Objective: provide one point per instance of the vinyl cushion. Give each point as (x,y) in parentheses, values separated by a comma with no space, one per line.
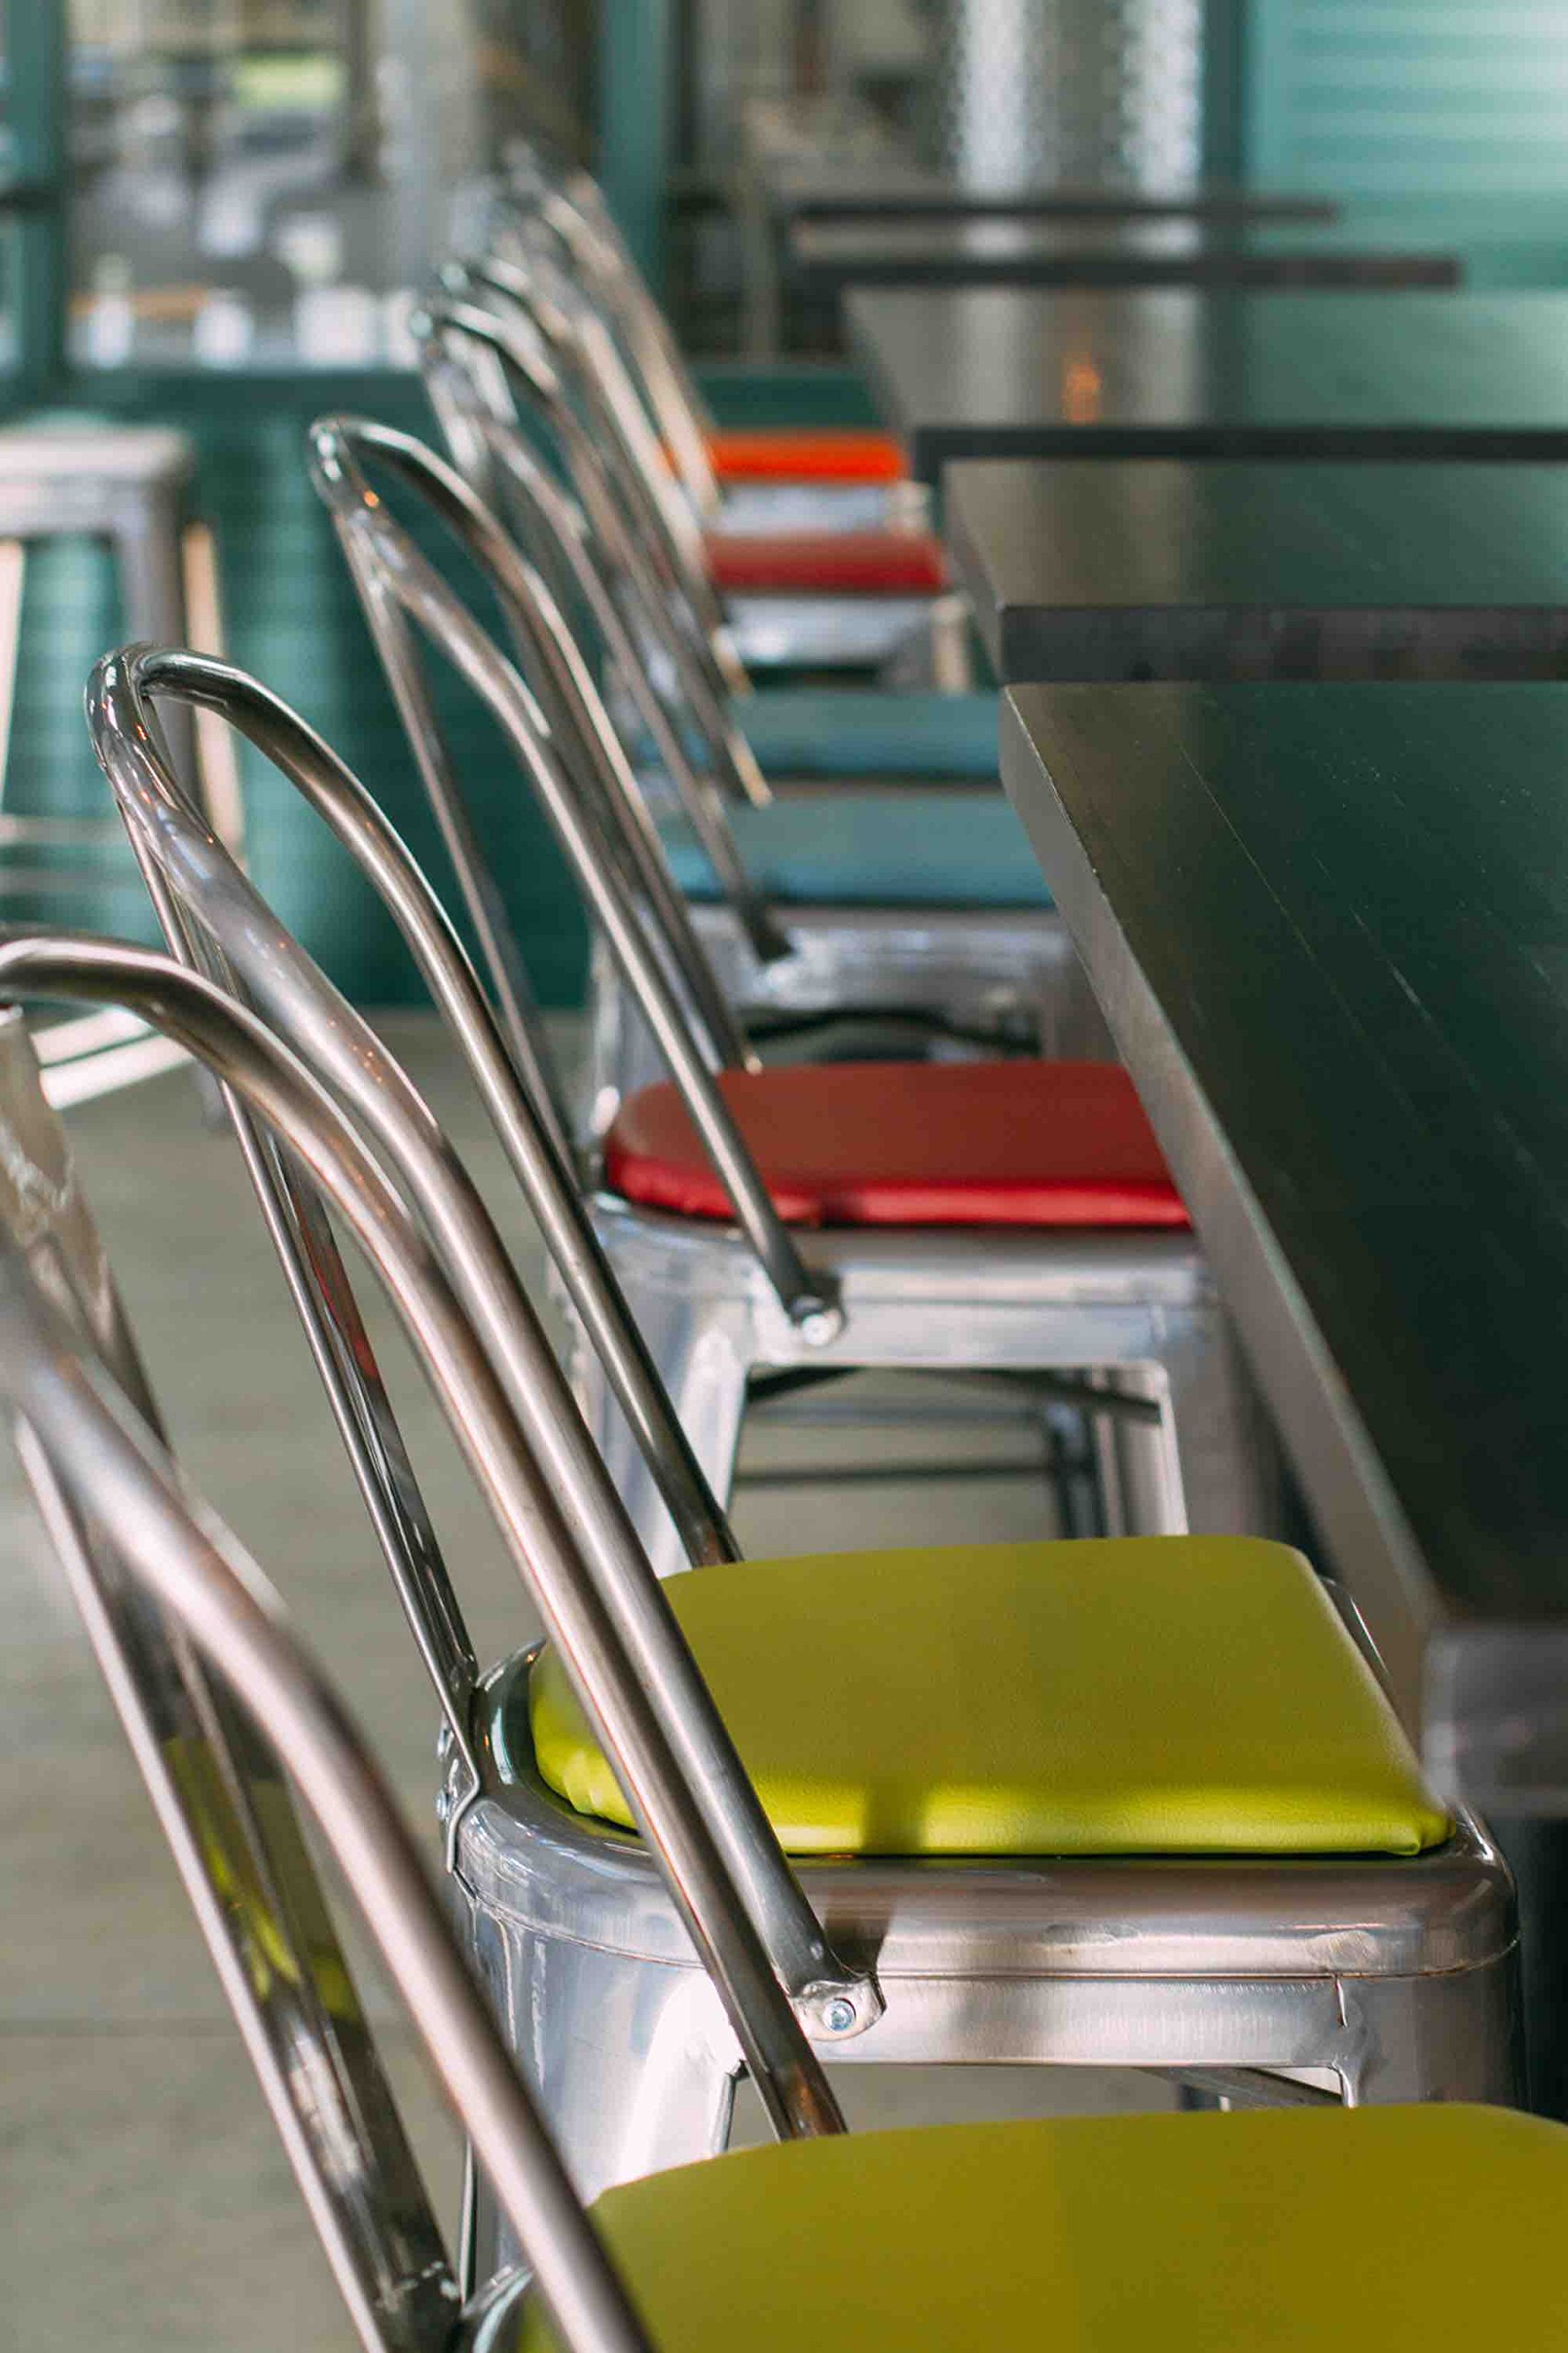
(1138,1695)
(854,849)
(881,563)
(868,731)
(1369,2229)
(805,453)
(1021,1143)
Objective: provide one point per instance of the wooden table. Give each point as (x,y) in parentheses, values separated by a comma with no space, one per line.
(1329,928)
(1007,373)
(1233,569)
(829,256)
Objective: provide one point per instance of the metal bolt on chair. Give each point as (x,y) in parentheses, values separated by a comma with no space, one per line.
(1173,2227)
(998,1218)
(1022,1822)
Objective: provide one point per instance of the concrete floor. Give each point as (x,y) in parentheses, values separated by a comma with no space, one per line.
(143,2200)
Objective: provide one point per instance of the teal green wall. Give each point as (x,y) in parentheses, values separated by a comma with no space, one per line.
(1442,122)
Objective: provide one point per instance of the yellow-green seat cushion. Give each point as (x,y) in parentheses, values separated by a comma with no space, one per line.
(1175,1695)
(1374,2230)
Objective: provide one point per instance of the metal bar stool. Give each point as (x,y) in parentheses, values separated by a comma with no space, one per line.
(1171,2228)
(963,1284)
(131,487)
(588,1936)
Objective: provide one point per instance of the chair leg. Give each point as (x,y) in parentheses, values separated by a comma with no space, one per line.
(633,2062)
(705,1364)
(1229,1474)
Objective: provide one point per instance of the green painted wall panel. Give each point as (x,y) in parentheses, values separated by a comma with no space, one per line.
(1417,97)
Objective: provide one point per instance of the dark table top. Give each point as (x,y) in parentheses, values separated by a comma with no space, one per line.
(835,253)
(1329,924)
(1235,568)
(1007,372)
(824,187)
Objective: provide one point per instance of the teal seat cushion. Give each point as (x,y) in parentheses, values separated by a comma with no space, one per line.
(852,732)
(849,731)
(874,849)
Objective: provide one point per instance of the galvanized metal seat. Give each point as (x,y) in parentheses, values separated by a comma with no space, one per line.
(1094,2236)
(1394,1974)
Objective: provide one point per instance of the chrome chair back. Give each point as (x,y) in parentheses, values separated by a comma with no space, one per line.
(215,1692)
(1394,1975)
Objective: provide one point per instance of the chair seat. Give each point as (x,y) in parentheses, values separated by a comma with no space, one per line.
(805,453)
(1369,2229)
(1139,1695)
(868,731)
(854,849)
(809,563)
(911,1143)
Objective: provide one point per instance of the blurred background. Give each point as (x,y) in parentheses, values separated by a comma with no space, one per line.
(215,213)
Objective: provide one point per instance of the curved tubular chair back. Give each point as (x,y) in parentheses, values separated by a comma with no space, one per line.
(711,1804)
(603,831)
(463,358)
(177,1610)
(697,1812)
(604,396)
(572,207)
(221,1801)
(126,694)
(495,305)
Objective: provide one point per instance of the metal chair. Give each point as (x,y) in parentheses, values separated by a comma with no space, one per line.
(835,601)
(128,487)
(720,1303)
(1175,2227)
(1389,1972)
(636,1974)
(775,479)
(945,977)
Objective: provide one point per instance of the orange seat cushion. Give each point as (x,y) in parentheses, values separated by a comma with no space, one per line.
(911,1143)
(886,564)
(806,453)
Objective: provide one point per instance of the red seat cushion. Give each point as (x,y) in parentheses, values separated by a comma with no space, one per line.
(911,1143)
(785,453)
(887,564)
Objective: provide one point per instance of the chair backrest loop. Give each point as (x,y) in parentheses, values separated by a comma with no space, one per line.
(626,1654)
(383,550)
(94,1466)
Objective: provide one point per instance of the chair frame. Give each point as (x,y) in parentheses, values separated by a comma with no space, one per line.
(975,972)
(1136,1305)
(1396,1976)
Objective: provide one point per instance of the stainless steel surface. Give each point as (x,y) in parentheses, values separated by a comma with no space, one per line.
(121,1516)
(1388,1979)
(1087,90)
